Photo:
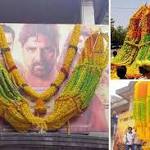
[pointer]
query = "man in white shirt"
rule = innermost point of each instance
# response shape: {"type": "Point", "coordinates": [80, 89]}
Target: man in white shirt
{"type": "Point", "coordinates": [128, 139]}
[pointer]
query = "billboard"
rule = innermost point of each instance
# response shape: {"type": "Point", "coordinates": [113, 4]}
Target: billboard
{"type": "Point", "coordinates": [39, 59]}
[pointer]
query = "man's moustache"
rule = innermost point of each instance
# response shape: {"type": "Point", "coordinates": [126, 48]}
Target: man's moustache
{"type": "Point", "coordinates": [37, 64]}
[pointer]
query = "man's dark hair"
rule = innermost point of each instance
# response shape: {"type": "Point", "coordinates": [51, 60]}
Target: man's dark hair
{"type": "Point", "coordinates": [143, 71]}
{"type": "Point", "coordinates": [129, 128]}
{"type": "Point", "coordinates": [121, 72]}
{"type": "Point", "coordinates": [29, 30]}
{"type": "Point", "coordinates": [8, 29]}
{"type": "Point", "coordinates": [114, 53]}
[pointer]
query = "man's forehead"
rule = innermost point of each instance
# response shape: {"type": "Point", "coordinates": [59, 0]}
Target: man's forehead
{"type": "Point", "coordinates": [38, 38]}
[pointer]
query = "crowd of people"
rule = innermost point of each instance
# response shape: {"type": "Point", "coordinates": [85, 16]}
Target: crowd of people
{"type": "Point", "coordinates": [122, 70]}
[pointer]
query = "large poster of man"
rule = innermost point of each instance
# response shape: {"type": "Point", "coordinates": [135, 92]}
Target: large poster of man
{"type": "Point", "coordinates": [39, 51]}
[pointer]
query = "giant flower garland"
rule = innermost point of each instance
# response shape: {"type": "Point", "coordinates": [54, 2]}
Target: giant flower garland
{"type": "Point", "coordinates": [143, 58]}
{"type": "Point", "coordinates": [134, 52]}
{"type": "Point", "coordinates": [141, 109]}
{"type": "Point", "coordinates": [74, 98]}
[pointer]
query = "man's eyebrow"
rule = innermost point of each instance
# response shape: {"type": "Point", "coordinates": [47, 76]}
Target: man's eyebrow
{"type": "Point", "coordinates": [31, 47]}
{"type": "Point", "coordinates": [47, 47]}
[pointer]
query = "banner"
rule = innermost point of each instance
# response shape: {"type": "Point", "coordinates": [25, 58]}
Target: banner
{"type": "Point", "coordinates": [39, 59]}
{"type": "Point", "coordinates": [125, 120]}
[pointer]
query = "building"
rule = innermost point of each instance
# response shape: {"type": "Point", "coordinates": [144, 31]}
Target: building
{"type": "Point", "coordinates": [123, 101]}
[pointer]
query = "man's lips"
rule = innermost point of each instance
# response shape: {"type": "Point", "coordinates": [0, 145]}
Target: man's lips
{"type": "Point", "coordinates": [38, 68]}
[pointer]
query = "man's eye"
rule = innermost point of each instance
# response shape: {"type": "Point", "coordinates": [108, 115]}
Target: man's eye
{"type": "Point", "coordinates": [31, 49]}
{"type": "Point", "coordinates": [46, 49]}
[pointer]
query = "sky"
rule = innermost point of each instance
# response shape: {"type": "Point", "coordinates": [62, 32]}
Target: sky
{"type": "Point", "coordinates": [122, 10]}
{"type": "Point", "coordinates": [117, 84]}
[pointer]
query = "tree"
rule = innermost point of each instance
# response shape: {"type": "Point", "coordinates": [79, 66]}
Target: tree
{"type": "Point", "coordinates": [117, 35]}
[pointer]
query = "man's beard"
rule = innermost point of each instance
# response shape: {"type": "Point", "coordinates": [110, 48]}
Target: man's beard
{"type": "Point", "coordinates": [42, 70]}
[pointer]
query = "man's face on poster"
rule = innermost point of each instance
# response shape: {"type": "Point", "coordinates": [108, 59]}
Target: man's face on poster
{"type": "Point", "coordinates": [39, 55]}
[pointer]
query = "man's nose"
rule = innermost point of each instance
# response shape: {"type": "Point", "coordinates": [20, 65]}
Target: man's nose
{"type": "Point", "coordinates": [38, 55]}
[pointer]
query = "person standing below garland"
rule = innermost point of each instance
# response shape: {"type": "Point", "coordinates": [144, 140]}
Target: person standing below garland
{"type": "Point", "coordinates": [114, 122]}
{"type": "Point", "coordinates": [121, 72]}
{"type": "Point", "coordinates": [129, 139]}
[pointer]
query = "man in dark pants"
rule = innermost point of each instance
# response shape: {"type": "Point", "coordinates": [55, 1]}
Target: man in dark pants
{"type": "Point", "coordinates": [129, 139]}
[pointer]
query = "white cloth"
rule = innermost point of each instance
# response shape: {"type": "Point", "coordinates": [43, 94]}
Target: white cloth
{"type": "Point", "coordinates": [128, 138]}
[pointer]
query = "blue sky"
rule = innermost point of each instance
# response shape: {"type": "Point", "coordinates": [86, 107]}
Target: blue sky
{"type": "Point", "coordinates": [122, 10]}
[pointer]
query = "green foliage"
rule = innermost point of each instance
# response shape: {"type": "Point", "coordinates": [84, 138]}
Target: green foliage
{"type": "Point", "coordinates": [117, 35]}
